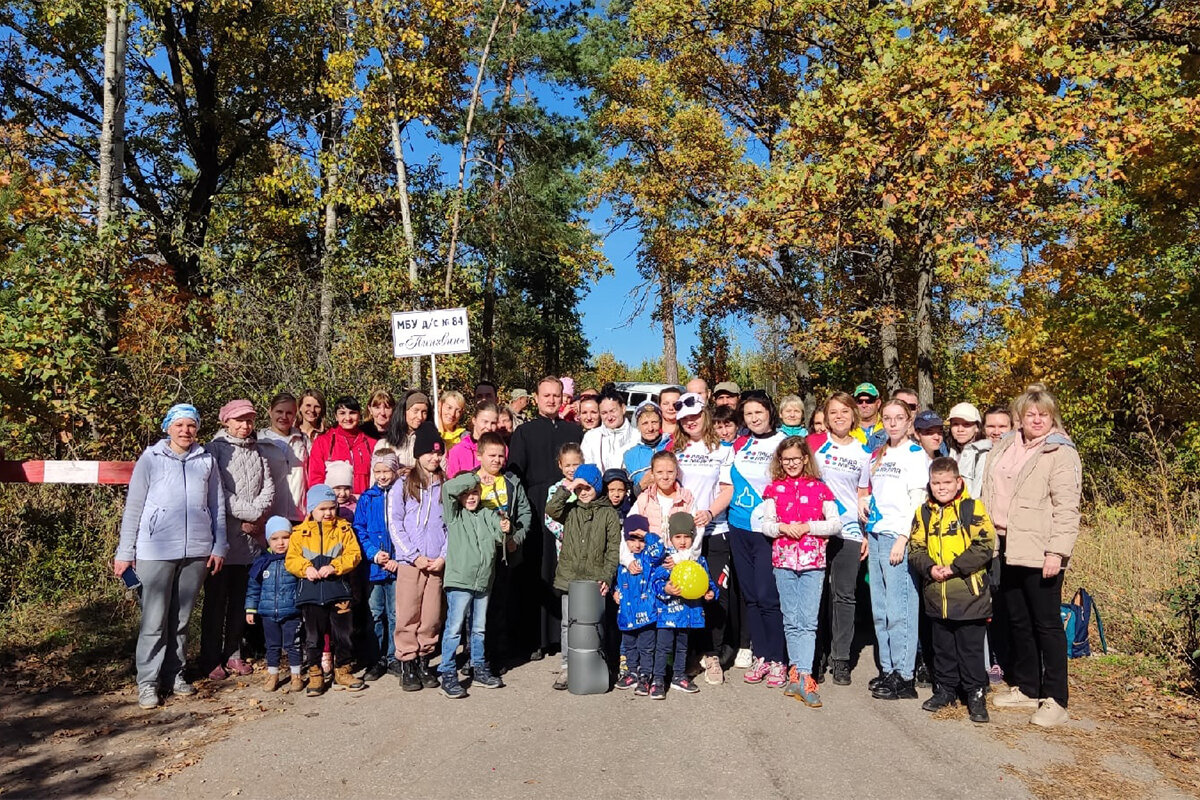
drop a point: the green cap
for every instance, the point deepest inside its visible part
(866, 388)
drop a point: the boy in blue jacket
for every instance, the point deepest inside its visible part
(637, 609)
(371, 528)
(271, 595)
(676, 615)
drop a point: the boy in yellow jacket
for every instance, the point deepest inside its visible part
(323, 552)
(950, 549)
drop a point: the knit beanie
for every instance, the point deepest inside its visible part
(681, 522)
(426, 439)
(386, 458)
(636, 522)
(339, 473)
(277, 524)
(320, 494)
(591, 474)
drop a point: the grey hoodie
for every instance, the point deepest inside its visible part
(175, 507)
(249, 492)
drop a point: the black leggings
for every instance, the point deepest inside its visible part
(1036, 637)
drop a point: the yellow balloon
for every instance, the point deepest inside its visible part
(690, 579)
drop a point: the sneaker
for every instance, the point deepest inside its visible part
(643, 687)
(744, 659)
(887, 688)
(757, 671)
(875, 682)
(942, 698)
(537, 655)
(1049, 714)
(393, 669)
(713, 674)
(218, 673)
(685, 684)
(451, 687)
(375, 672)
(560, 681)
(148, 696)
(776, 674)
(316, 681)
(627, 681)
(1014, 698)
(995, 675)
(657, 690)
(977, 706)
(841, 672)
(343, 678)
(484, 679)
(237, 666)
(296, 684)
(806, 690)
(906, 689)
(182, 688)
(327, 663)
(272, 681)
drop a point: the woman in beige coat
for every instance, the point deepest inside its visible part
(1031, 485)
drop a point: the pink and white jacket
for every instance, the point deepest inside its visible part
(794, 500)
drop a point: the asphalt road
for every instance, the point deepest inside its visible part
(527, 740)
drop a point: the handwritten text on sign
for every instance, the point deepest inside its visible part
(427, 333)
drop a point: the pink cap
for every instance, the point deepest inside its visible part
(236, 408)
(568, 386)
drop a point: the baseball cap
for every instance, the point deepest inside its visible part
(690, 405)
(927, 421)
(867, 389)
(967, 412)
(726, 387)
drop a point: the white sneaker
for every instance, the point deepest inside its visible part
(148, 696)
(1014, 698)
(744, 658)
(1049, 714)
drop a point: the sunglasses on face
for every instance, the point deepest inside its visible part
(864, 401)
(687, 402)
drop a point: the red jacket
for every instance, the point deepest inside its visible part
(337, 444)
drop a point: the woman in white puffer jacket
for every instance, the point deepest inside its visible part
(605, 446)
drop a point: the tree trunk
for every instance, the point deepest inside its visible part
(889, 340)
(112, 130)
(487, 325)
(666, 316)
(924, 314)
(460, 194)
(330, 137)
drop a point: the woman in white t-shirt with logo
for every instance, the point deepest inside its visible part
(845, 465)
(747, 475)
(899, 475)
(701, 458)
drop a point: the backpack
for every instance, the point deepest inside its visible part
(1076, 618)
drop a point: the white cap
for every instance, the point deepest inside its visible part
(689, 405)
(966, 412)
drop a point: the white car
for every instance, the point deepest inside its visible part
(637, 393)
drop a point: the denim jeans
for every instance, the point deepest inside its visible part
(280, 636)
(894, 606)
(382, 602)
(800, 597)
(670, 643)
(638, 648)
(457, 601)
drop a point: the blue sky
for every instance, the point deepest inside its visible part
(608, 309)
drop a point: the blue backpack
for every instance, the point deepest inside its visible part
(1076, 618)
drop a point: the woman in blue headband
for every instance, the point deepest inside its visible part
(172, 533)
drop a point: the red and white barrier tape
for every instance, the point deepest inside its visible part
(105, 472)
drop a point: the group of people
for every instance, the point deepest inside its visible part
(383, 542)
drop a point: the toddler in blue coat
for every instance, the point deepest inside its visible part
(637, 608)
(676, 615)
(271, 596)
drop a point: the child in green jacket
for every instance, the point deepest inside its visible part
(473, 532)
(591, 541)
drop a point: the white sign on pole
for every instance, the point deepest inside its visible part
(427, 333)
